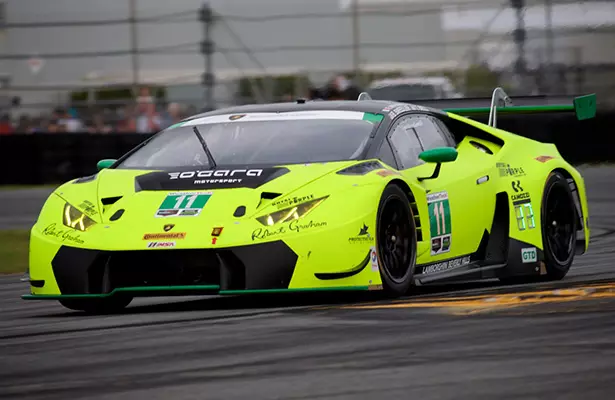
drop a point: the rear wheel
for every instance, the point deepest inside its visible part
(559, 226)
(109, 305)
(396, 241)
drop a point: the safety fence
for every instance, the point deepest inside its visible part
(56, 158)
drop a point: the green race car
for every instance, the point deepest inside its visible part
(340, 195)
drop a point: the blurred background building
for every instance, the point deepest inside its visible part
(117, 65)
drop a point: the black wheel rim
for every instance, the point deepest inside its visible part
(395, 239)
(560, 225)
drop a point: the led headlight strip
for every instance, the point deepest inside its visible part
(73, 218)
(290, 213)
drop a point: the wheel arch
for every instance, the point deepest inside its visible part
(576, 196)
(413, 206)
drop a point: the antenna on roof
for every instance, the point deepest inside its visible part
(364, 96)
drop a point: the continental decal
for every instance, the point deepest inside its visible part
(160, 236)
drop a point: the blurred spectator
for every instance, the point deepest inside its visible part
(5, 125)
(146, 119)
(67, 121)
(173, 115)
(24, 125)
(99, 126)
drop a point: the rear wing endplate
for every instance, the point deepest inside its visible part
(583, 106)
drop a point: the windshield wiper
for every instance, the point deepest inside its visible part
(210, 157)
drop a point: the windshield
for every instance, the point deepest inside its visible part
(258, 138)
(404, 92)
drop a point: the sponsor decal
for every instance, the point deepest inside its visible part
(215, 233)
(544, 159)
(152, 245)
(183, 204)
(520, 198)
(221, 176)
(291, 201)
(215, 173)
(363, 237)
(522, 202)
(516, 185)
(196, 179)
(168, 227)
(387, 172)
(440, 225)
(293, 226)
(236, 117)
(166, 213)
(529, 255)
(506, 170)
(69, 235)
(159, 236)
(446, 265)
(88, 208)
(373, 257)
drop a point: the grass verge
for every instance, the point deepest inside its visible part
(14, 251)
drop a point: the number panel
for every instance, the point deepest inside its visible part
(440, 225)
(183, 204)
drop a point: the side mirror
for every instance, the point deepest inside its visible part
(438, 155)
(106, 163)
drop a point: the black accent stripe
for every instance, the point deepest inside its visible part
(326, 276)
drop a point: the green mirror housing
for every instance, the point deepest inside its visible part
(106, 163)
(439, 155)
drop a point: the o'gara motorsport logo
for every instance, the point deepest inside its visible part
(216, 176)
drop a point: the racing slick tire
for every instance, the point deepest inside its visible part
(395, 241)
(110, 305)
(559, 220)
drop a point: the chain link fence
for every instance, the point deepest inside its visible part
(269, 55)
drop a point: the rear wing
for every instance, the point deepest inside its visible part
(583, 106)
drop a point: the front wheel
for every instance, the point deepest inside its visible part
(396, 241)
(559, 226)
(109, 305)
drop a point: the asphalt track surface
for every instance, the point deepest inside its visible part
(471, 341)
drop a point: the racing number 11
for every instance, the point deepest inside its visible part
(438, 211)
(181, 199)
(439, 214)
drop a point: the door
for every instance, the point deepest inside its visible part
(460, 201)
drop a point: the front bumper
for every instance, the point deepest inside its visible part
(322, 260)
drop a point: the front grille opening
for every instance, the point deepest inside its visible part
(155, 268)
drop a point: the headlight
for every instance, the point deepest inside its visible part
(75, 219)
(290, 213)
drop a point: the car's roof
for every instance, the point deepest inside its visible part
(368, 106)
